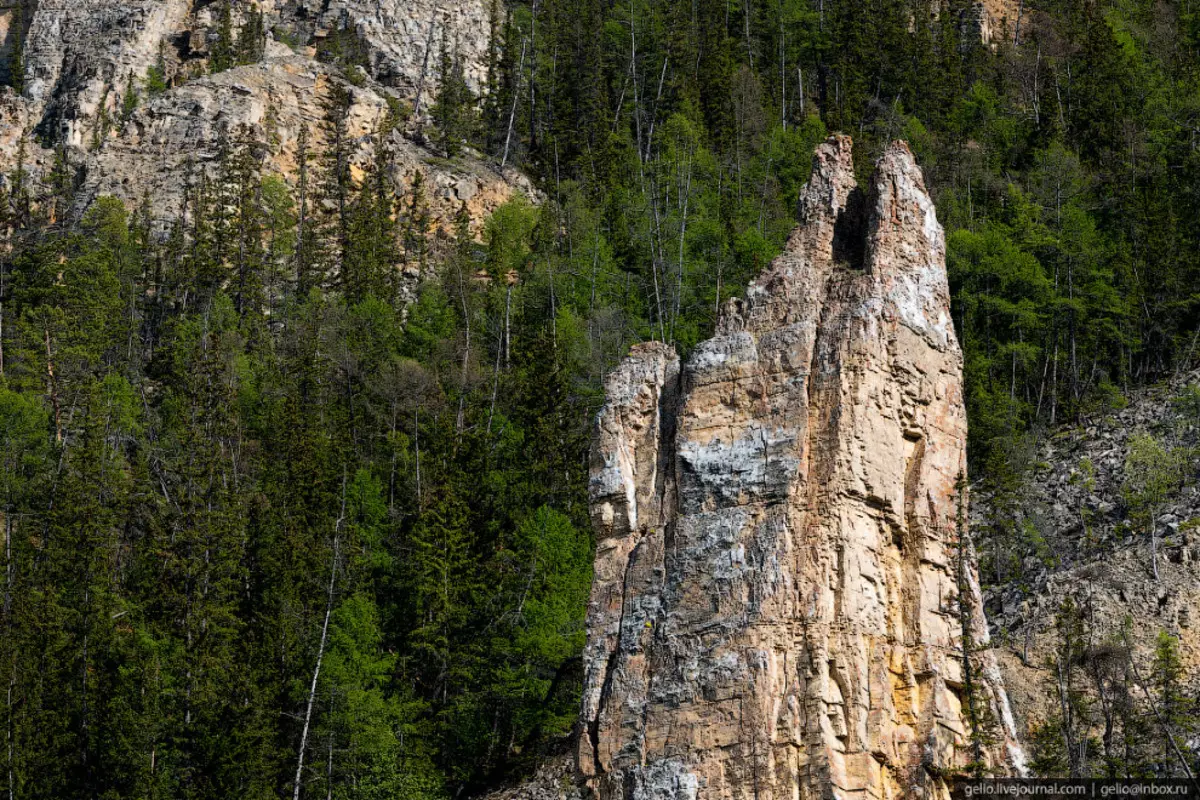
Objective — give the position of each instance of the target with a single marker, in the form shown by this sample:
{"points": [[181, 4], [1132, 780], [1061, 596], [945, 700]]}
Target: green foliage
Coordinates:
{"points": [[18, 26], [186, 419], [453, 113], [236, 44], [156, 80], [1152, 472]]}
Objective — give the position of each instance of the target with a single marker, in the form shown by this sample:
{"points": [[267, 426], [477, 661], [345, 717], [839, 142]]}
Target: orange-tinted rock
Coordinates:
{"points": [[775, 610]]}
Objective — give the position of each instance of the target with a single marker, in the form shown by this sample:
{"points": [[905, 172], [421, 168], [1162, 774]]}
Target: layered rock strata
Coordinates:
{"points": [[776, 608]]}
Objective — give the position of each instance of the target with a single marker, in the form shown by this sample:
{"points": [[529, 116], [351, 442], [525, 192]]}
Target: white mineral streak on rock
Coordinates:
{"points": [[774, 610]]}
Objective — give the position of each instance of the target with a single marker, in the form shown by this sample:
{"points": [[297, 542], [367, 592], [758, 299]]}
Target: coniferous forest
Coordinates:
{"points": [[275, 520]]}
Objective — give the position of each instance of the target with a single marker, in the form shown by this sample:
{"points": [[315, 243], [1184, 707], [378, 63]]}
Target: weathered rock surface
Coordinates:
{"points": [[997, 20], [82, 55], [775, 610], [991, 21], [79, 54], [169, 139], [554, 780], [1085, 549], [406, 38]]}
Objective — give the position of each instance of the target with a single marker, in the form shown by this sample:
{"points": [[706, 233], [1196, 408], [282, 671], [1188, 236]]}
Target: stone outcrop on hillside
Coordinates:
{"points": [[775, 610], [989, 21], [997, 20], [183, 131], [1093, 554], [406, 38], [81, 56]]}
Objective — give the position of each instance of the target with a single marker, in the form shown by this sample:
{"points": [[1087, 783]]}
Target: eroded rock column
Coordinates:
{"points": [[775, 611]]}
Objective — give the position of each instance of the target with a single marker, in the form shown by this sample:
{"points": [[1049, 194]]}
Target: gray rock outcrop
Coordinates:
{"points": [[1081, 544], [81, 57], [183, 131], [778, 602]]}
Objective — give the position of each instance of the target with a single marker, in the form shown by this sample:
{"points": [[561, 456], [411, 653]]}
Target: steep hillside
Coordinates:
{"points": [[1092, 558], [141, 98], [308, 307]]}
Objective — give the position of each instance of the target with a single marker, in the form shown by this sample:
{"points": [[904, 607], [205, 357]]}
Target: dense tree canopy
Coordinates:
{"points": [[276, 526]]}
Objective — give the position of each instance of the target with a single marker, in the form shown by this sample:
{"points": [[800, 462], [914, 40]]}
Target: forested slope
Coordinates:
{"points": [[272, 527]]}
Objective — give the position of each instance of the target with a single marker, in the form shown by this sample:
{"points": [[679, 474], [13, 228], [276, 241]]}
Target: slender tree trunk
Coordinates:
{"points": [[1154, 545], [501, 350], [508, 322], [52, 390], [642, 147], [1164, 724], [512, 114], [3, 272], [302, 215], [662, 77], [533, 75], [417, 440], [312, 689], [12, 680], [1067, 717]]}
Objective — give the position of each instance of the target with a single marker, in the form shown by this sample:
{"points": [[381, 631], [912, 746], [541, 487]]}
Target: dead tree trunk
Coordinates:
{"points": [[312, 689]]}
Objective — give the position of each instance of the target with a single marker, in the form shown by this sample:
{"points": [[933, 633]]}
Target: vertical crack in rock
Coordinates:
{"points": [[772, 614]]}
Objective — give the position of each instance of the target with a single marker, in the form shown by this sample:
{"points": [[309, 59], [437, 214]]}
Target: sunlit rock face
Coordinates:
{"points": [[776, 607], [82, 57]]}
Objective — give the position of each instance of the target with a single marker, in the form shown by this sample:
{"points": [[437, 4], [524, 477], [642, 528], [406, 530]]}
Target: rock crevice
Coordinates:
{"points": [[776, 607]]}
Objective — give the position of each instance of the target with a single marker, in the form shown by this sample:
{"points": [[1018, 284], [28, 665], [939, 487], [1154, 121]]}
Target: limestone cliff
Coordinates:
{"points": [[990, 21], [776, 609], [175, 134], [81, 58]]}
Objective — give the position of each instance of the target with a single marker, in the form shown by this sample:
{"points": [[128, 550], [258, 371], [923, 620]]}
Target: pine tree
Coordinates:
{"points": [[453, 112], [224, 52]]}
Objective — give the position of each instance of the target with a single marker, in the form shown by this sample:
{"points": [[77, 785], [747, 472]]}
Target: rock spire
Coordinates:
{"points": [[776, 609]]}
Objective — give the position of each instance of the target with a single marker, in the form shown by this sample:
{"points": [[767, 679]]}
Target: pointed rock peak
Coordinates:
{"points": [[832, 181], [777, 529], [906, 247], [886, 234]]}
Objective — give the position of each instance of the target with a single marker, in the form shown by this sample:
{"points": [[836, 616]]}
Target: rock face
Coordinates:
{"points": [[990, 21], [997, 20], [177, 133], [775, 610], [406, 38], [81, 56], [80, 53]]}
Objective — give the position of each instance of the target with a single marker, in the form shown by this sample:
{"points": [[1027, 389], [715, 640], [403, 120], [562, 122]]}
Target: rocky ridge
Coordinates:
{"points": [[270, 103], [81, 57], [775, 611]]}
